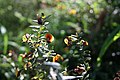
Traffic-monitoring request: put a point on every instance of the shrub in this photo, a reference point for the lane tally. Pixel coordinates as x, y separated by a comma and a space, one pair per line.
42, 62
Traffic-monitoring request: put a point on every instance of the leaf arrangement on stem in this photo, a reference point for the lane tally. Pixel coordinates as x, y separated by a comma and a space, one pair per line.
43, 63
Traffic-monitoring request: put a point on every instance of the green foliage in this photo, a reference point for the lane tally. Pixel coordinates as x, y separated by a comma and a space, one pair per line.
45, 63
96, 18
112, 37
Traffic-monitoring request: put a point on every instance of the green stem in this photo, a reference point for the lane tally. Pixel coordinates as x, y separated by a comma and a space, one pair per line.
5, 43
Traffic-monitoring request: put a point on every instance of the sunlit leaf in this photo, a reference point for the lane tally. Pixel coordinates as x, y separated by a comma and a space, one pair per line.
34, 26
113, 37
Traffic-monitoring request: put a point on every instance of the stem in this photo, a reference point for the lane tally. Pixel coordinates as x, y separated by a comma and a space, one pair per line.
5, 43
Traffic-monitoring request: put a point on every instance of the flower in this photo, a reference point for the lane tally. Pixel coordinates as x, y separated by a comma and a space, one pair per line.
118, 73
28, 65
85, 43
116, 78
36, 45
72, 12
58, 57
25, 37
79, 69
10, 53
68, 41
23, 56
49, 37
26, 55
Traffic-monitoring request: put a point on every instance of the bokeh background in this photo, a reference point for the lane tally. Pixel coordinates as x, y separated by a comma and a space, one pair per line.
98, 20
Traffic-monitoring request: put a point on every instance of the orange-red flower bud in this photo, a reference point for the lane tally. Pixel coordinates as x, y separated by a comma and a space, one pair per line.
49, 37
57, 58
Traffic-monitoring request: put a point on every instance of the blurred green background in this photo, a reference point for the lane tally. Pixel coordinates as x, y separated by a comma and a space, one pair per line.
98, 20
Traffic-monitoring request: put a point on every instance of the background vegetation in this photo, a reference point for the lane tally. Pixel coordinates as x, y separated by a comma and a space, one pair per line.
99, 20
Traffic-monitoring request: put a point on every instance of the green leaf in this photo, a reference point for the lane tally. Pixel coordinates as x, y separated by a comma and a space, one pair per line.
5, 38
113, 37
21, 48
5, 43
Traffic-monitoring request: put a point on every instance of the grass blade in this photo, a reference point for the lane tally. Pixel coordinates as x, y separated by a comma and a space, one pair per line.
113, 37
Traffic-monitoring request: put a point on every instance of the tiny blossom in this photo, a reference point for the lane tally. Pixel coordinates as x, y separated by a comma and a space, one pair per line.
49, 37
26, 55
23, 56
72, 12
36, 45
25, 37
116, 78
68, 41
28, 64
85, 43
79, 69
57, 58
118, 73
10, 53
